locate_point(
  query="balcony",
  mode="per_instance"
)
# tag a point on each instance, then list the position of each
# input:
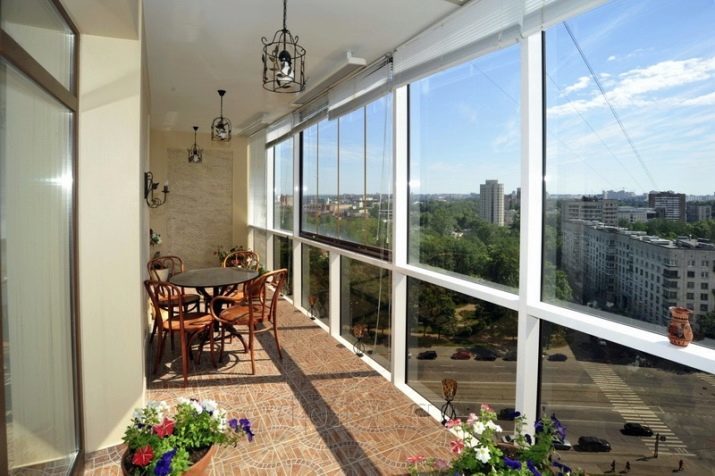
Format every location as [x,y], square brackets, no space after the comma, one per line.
[321,410]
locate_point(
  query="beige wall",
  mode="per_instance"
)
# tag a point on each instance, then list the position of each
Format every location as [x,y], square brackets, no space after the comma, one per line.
[207,203]
[112,244]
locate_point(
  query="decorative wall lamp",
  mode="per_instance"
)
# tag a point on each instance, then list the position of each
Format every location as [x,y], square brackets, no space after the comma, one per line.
[221,126]
[196,155]
[149,187]
[283,61]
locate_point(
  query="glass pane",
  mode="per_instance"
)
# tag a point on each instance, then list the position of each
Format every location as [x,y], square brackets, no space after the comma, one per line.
[454,336]
[283,258]
[315,282]
[378,182]
[283,186]
[328,178]
[596,387]
[629,229]
[310,202]
[351,207]
[257,181]
[465,169]
[36,181]
[365,308]
[40,29]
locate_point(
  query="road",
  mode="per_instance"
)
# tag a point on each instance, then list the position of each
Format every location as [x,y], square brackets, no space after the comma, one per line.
[596,399]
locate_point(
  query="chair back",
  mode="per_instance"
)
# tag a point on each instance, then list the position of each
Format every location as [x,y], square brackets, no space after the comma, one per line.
[245,259]
[273,280]
[160,290]
[173,264]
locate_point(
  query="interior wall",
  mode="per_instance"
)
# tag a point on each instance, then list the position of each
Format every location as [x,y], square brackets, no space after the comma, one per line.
[207,203]
[111,240]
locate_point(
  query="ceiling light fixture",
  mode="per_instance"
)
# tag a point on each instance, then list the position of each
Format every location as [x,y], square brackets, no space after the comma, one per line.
[283,61]
[221,126]
[196,155]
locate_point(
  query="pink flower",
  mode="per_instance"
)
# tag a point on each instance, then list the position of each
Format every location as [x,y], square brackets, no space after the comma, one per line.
[472,418]
[441,464]
[457,446]
[143,456]
[487,408]
[415,459]
[452,423]
[165,428]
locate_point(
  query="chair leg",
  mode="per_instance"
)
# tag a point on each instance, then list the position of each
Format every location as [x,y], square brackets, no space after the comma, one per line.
[184,358]
[275,336]
[159,350]
[250,347]
[211,346]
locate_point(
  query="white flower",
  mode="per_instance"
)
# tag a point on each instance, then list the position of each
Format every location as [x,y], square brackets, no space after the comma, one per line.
[493,426]
[210,405]
[197,406]
[482,454]
[182,400]
[138,415]
[478,428]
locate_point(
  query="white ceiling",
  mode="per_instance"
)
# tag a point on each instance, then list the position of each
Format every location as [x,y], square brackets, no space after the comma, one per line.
[195,47]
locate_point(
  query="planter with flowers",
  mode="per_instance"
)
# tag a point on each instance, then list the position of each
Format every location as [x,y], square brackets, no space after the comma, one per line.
[478,451]
[162,445]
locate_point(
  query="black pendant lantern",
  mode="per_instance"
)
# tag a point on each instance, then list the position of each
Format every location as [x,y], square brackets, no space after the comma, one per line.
[196,155]
[221,126]
[283,61]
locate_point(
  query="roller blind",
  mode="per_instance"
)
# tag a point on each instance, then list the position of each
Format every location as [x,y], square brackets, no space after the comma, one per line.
[279,129]
[368,85]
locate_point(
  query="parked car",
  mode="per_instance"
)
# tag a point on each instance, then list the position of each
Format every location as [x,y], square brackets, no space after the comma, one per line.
[562,445]
[593,444]
[510,356]
[482,353]
[557,357]
[461,355]
[427,355]
[636,429]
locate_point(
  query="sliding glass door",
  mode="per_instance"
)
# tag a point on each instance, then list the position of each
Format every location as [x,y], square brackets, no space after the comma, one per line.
[39,420]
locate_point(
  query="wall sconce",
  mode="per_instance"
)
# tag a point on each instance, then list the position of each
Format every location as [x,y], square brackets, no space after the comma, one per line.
[149,187]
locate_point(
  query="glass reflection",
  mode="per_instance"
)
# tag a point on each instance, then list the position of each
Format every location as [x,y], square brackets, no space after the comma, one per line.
[316,282]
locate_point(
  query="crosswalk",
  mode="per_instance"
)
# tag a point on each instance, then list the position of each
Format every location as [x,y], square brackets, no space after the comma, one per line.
[632,408]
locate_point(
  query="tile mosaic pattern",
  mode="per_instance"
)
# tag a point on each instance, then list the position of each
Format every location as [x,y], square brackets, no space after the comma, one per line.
[319,411]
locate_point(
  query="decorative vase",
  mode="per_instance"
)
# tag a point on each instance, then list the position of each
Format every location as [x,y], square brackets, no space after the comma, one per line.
[199,468]
[679,331]
[160,274]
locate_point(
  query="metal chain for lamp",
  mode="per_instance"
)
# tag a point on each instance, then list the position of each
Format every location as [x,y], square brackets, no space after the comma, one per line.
[283,60]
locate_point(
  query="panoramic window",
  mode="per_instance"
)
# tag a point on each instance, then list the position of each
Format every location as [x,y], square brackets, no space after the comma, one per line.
[365,308]
[629,147]
[465,169]
[347,179]
[283,258]
[315,282]
[630,407]
[257,182]
[451,335]
[283,185]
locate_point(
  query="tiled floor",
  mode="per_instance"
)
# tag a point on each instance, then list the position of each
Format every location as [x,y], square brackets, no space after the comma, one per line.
[321,410]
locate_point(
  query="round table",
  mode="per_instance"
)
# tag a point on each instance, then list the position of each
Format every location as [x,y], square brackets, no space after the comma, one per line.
[220,279]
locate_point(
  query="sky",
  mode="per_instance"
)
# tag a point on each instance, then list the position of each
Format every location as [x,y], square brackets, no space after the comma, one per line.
[641,118]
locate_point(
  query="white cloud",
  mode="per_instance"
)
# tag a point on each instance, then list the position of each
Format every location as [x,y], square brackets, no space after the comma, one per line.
[638,87]
[581,83]
[612,58]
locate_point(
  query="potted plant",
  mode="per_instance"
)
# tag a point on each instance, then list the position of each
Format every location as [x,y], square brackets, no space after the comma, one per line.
[477,451]
[222,252]
[162,445]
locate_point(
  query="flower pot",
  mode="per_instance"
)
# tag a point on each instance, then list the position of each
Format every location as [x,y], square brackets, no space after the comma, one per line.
[160,274]
[679,331]
[199,468]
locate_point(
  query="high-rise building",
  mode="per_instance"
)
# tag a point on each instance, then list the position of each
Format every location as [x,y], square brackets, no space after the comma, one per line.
[668,205]
[641,275]
[591,208]
[699,212]
[491,202]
